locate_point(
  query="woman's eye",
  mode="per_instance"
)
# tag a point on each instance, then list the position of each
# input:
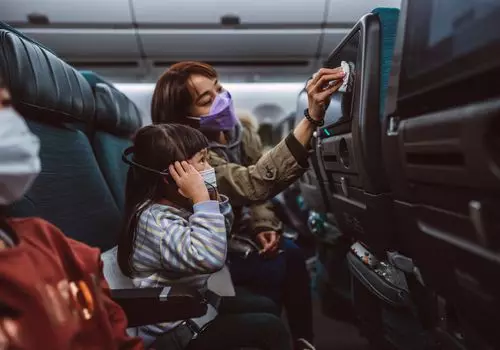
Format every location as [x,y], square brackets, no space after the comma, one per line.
[206,102]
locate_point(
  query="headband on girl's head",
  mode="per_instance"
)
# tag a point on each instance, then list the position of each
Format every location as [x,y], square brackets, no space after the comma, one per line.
[125,158]
[130,150]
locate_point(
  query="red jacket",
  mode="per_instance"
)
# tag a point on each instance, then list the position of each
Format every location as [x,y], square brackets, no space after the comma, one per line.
[53,294]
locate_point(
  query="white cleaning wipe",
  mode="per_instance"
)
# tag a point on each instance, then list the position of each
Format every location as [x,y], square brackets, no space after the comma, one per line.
[347,70]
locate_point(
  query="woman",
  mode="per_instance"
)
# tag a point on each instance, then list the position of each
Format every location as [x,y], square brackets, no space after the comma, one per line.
[189,93]
[188,89]
[175,233]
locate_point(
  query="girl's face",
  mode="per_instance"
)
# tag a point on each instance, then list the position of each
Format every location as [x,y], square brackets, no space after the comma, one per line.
[203,91]
[200,160]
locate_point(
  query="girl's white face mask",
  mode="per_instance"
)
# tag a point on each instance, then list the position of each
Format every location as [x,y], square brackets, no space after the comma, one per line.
[19,161]
[209,177]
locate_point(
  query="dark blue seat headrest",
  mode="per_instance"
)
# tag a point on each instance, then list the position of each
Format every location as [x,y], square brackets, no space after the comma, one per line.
[43,87]
[115,112]
[388,18]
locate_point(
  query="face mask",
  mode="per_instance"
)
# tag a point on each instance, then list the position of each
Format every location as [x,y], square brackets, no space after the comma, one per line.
[209,177]
[19,161]
[221,116]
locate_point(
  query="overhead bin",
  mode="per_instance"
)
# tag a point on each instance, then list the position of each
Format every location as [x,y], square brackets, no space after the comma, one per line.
[331,38]
[348,12]
[210,12]
[76,29]
[88,43]
[341,17]
[60,12]
[293,44]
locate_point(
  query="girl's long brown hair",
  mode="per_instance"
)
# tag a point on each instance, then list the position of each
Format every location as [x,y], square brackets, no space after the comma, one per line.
[155,147]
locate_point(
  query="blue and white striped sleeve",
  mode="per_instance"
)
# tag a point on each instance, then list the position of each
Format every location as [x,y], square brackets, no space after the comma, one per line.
[197,245]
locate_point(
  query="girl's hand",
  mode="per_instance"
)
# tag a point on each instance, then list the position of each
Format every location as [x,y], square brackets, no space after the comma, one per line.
[189,181]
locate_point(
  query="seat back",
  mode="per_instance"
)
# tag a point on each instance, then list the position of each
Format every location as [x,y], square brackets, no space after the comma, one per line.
[116,120]
[59,106]
[349,148]
[440,154]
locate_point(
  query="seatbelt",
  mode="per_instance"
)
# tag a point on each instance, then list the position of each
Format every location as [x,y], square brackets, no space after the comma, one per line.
[5,239]
[179,337]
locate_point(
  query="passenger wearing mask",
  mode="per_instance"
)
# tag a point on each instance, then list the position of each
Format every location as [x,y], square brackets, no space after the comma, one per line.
[190,93]
[44,274]
[175,233]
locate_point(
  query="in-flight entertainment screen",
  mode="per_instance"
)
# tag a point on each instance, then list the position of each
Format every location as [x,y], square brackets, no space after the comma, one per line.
[340,107]
[448,40]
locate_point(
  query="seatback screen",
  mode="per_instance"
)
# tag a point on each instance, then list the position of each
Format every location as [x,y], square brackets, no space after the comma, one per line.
[446,41]
[333,113]
[340,107]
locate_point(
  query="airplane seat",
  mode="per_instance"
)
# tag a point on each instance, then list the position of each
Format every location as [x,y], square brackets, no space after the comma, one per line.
[312,183]
[266,134]
[59,106]
[71,192]
[444,171]
[11,29]
[333,278]
[282,128]
[117,118]
[350,144]
[348,149]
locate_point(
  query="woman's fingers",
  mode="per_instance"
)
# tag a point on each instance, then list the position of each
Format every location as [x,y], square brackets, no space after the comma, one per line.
[324,96]
[323,82]
[325,72]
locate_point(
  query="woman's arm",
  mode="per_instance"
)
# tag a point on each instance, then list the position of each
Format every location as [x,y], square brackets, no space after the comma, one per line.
[287,161]
[318,98]
[273,172]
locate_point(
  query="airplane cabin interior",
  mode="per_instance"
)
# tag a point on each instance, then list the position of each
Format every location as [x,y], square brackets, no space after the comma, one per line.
[394,211]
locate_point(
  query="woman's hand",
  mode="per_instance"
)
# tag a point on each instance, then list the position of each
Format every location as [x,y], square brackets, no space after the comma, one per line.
[269,240]
[319,91]
[188,179]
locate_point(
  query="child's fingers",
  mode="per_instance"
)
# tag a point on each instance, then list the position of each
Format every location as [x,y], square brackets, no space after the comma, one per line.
[189,168]
[173,173]
[179,169]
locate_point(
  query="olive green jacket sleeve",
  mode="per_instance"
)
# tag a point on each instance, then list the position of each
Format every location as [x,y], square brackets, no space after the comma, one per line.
[274,171]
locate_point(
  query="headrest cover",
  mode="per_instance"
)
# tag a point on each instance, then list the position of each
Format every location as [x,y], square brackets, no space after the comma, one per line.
[42,86]
[115,112]
[388,18]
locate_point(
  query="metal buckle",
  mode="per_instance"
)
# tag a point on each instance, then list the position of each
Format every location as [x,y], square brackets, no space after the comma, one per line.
[193,327]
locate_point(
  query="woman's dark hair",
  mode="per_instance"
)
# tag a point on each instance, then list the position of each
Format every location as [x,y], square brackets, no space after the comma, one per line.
[155,147]
[171,98]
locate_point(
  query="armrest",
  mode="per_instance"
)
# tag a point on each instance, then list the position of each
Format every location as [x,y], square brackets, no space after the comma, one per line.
[145,306]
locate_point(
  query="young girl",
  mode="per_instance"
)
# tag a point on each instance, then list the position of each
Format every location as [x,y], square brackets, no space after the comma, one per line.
[174,233]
